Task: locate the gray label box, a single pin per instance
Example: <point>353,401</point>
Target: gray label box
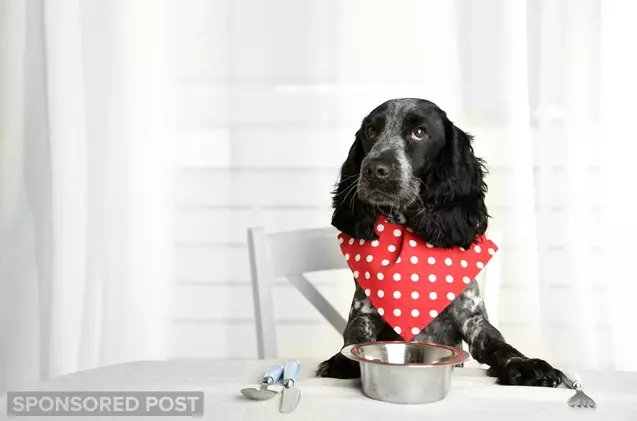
<point>100,403</point>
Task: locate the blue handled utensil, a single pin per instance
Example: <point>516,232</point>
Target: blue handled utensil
<point>270,377</point>
<point>291,393</point>
<point>572,380</point>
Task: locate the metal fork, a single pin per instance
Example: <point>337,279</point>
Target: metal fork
<point>579,399</point>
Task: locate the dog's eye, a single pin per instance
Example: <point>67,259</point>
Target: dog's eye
<point>418,134</point>
<point>370,132</point>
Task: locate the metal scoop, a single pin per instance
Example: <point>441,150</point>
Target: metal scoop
<point>270,377</point>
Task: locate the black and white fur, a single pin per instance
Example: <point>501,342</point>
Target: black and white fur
<point>412,164</point>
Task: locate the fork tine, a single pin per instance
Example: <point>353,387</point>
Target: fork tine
<point>579,399</point>
<point>588,401</point>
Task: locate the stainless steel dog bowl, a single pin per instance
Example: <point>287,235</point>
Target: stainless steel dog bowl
<point>405,372</point>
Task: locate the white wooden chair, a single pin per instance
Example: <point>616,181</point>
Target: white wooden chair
<point>293,254</point>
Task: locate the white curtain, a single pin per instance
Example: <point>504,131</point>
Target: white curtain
<point>545,86</point>
<point>84,221</point>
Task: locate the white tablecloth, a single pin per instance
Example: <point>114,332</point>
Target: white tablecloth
<point>473,396</point>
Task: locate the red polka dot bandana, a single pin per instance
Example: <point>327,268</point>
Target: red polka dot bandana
<point>409,281</point>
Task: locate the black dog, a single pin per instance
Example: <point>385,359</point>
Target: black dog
<point>412,164</point>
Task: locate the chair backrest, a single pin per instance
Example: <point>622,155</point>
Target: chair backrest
<point>290,255</point>
<point>294,253</point>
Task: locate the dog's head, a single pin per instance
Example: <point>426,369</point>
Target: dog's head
<point>409,159</point>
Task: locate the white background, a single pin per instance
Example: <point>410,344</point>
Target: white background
<point>141,138</point>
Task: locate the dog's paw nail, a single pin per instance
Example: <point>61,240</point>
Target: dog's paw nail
<point>338,367</point>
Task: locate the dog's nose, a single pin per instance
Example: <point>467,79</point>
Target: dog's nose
<point>377,169</point>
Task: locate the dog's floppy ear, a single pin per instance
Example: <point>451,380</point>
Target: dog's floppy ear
<point>352,216</point>
<point>455,213</point>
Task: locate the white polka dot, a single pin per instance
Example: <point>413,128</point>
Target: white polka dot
<point>464,263</point>
<point>397,294</point>
<point>432,277</point>
<point>391,248</point>
<point>397,329</point>
<point>415,313</point>
<point>397,312</point>
<point>368,292</point>
<point>448,261</point>
<point>385,262</point>
<point>415,295</point>
<point>451,296</point>
<point>462,249</point>
<point>398,260</point>
<point>375,243</point>
<point>415,277</point>
<point>397,233</point>
<point>396,276</point>
<point>431,260</point>
<point>346,257</point>
<point>412,243</point>
<point>413,259</point>
<point>355,274</point>
<point>491,251</point>
<point>415,330</point>
<point>367,275</point>
<point>477,249</point>
<point>351,241</point>
<point>380,227</point>
<point>480,265</point>
<point>369,258</point>
<point>433,313</point>
<point>429,245</point>
<point>380,276</point>
<point>466,279</point>
<point>340,240</point>
<point>381,311</point>
<point>357,257</point>
<point>449,278</point>
<point>381,293</point>
<point>433,296</point>
<point>361,242</point>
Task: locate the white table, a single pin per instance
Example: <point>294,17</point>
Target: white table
<point>473,396</point>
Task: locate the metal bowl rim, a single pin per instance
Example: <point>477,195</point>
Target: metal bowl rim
<point>459,355</point>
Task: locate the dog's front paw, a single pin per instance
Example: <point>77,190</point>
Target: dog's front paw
<point>528,372</point>
<point>339,367</point>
